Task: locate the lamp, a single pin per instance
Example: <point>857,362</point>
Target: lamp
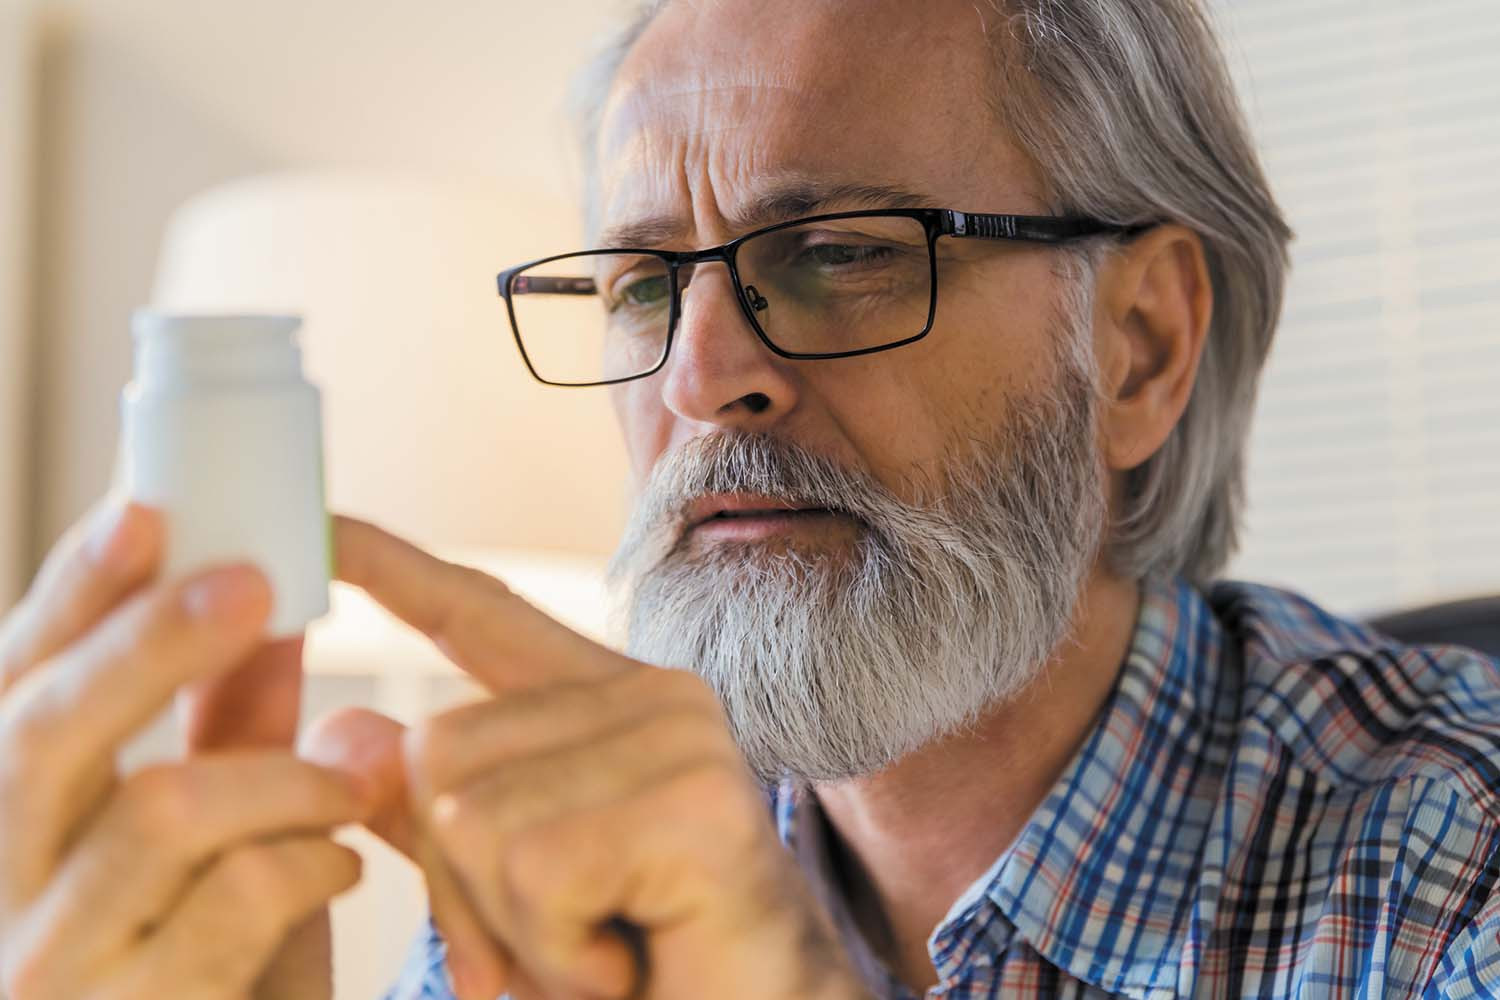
<point>432,427</point>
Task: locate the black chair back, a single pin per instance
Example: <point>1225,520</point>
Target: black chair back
<point>1474,623</point>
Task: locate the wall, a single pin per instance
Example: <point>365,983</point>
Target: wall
<point>16,156</point>
<point>1374,472</point>
<point>148,102</point>
<point>143,104</point>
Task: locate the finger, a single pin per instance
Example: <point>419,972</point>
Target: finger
<point>165,821</point>
<point>365,743</point>
<point>473,823</point>
<point>462,743</point>
<point>689,861</point>
<point>302,968</point>
<point>570,922</point>
<point>99,560</point>
<point>477,621</point>
<point>232,921</point>
<point>61,725</point>
<point>478,964</point>
<point>581,747</point>
<point>255,704</point>
<point>476,824</point>
<point>368,746</point>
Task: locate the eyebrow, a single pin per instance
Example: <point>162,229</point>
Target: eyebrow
<point>781,203</point>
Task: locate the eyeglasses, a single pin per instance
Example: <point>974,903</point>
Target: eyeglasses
<point>828,286</point>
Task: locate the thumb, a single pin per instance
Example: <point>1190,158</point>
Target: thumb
<point>367,746</point>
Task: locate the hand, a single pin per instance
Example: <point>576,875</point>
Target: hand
<point>183,878</point>
<point>591,789</point>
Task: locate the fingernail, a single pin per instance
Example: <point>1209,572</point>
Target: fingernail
<point>226,595</point>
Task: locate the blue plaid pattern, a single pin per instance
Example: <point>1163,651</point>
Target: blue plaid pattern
<point>1273,802</point>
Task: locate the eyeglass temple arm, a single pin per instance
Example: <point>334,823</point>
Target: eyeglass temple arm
<point>1029,228</point>
<point>534,284</point>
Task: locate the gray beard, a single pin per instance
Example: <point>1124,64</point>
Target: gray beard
<point>832,665</point>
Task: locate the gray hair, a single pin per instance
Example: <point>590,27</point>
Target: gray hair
<point>947,602</point>
<point>1129,112</point>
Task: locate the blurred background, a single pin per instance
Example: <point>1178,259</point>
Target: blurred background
<point>371,165</point>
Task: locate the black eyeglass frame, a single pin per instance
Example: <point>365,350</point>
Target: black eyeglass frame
<point>937,222</point>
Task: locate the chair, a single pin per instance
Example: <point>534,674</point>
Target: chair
<point>1474,623</point>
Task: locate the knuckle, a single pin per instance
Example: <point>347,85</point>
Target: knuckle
<point>692,728</point>
<point>458,825</point>
<point>32,758</point>
<point>532,867</point>
<point>586,697</point>
<point>678,734</point>
<point>27,728</point>
<point>156,628</point>
<point>710,788</point>
<point>250,872</point>
<point>580,701</point>
<point>480,580</point>
<point>164,617</point>
<point>255,879</point>
<point>160,800</point>
<point>12,624</point>
<point>469,846</point>
<point>429,746</point>
<point>689,687</point>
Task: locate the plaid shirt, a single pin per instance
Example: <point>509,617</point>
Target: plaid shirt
<point>1273,802</point>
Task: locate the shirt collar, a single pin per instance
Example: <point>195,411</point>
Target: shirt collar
<point>1099,880</point>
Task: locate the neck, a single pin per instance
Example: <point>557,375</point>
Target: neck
<point>910,839</point>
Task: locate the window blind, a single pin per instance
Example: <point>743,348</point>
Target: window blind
<point>1374,467</point>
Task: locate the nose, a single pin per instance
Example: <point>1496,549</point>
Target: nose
<point>719,372</point>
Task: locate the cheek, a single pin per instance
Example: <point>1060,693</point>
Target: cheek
<point>907,412</point>
<point>998,330</point>
<point>887,412</point>
<point>645,423</point>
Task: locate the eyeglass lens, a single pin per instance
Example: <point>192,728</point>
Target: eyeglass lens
<point>825,287</point>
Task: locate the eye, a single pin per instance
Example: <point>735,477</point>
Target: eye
<point>844,254</point>
<point>644,291</point>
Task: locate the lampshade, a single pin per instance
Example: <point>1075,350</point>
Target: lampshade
<point>433,428</point>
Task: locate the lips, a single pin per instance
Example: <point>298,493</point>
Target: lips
<point>733,506</point>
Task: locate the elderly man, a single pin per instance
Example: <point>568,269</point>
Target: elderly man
<point>933,330</point>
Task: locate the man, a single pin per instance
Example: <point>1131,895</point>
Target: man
<point>932,330</point>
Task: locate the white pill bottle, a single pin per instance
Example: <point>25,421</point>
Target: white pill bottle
<point>222,432</point>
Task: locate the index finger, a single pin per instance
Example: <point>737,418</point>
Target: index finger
<point>478,622</point>
<point>98,561</point>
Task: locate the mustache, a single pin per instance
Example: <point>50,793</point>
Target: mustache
<point>739,462</point>
<point>747,462</point>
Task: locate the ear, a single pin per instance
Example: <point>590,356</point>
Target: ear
<point>1153,301</point>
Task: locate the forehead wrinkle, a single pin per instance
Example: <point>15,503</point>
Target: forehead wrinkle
<point>793,198</point>
<point>693,128</point>
<point>781,201</point>
<point>648,101</point>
